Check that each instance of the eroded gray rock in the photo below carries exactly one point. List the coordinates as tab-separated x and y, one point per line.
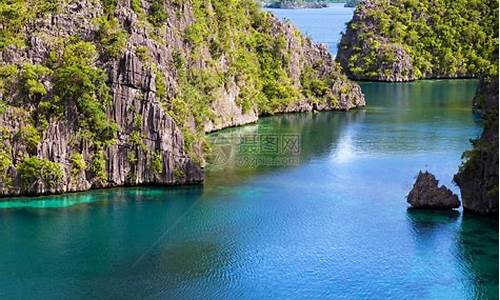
426	193
162	156
477	178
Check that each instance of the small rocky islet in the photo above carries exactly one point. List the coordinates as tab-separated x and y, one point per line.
351	3
477	177
426	193
100	94
113	105
298	4
295	4
398	41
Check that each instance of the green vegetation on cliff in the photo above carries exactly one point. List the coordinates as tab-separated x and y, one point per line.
103	81
478	175
80	83
402	40
33	170
257	60
14	14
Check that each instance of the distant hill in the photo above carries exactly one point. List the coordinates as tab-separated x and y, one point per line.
403	40
288	4
352	3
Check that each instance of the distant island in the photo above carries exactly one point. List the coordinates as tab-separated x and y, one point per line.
291	4
351	3
294	4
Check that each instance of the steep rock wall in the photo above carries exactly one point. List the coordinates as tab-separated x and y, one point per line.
175	70
478	176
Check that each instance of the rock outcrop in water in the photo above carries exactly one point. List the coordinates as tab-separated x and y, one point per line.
426	193
408	40
401	40
101	94
478	176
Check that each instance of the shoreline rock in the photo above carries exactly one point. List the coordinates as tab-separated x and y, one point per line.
477	178
426	193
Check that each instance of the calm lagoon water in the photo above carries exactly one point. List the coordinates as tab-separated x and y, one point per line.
332	224
329	221
322	25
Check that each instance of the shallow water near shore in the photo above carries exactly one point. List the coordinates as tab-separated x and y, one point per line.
330	221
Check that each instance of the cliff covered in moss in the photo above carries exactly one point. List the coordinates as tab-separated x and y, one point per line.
404	40
117	92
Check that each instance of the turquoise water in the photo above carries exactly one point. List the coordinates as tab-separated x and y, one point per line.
322	25
331	223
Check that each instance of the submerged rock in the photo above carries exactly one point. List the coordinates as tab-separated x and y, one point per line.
427	194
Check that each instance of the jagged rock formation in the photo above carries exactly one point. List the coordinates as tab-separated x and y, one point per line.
478	176
408	40
400	40
427	194
101	94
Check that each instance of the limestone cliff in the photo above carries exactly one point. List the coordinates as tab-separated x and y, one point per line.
401	40
478	176
110	93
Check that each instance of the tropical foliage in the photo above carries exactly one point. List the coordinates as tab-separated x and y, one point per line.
443	38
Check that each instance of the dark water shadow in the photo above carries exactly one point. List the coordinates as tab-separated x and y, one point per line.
429	227
477	247
426	220
317	133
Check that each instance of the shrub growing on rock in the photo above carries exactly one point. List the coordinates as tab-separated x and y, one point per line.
33	169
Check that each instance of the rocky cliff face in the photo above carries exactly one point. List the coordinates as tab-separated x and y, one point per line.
173	71
478	176
302	55
401	40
